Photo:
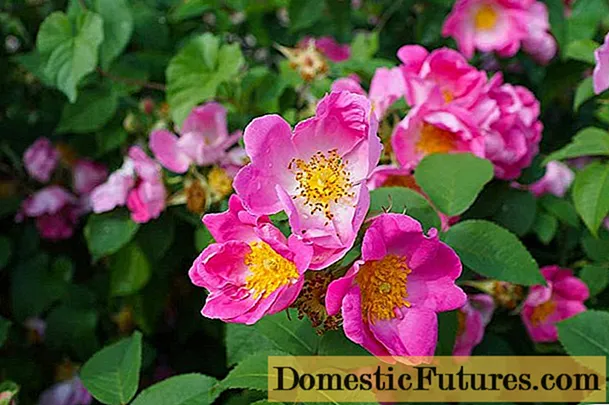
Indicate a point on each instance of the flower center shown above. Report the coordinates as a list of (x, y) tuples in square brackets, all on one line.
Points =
[(383, 287), (460, 323), (541, 312), (322, 180), (435, 140), (268, 270), (448, 96), (486, 18)]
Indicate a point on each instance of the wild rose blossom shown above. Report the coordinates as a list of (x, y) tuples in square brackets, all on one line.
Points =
[(473, 318), (328, 46), (556, 180), (562, 298), (390, 298), (600, 76), (316, 173), (501, 26), (137, 184), (429, 128), (56, 211), (70, 392), (204, 139), (86, 175), (512, 141), (252, 270), (40, 160)]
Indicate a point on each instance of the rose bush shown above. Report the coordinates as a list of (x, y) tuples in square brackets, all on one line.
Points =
[(187, 187)]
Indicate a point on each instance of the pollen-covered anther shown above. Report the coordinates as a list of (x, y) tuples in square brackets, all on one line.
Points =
[(383, 287), (435, 140), (541, 312), (322, 181), (268, 270)]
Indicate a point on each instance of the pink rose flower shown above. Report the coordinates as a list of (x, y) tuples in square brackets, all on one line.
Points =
[(234, 160), (556, 180), (562, 298), (390, 298), (473, 318), (601, 70), (512, 141), (331, 49), (444, 75), (316, 173), (40, 160), (429, 128), (56, 211), (203, 141), (137, 184), (252, 270), (86, 175), (70, 392), (540, 44)]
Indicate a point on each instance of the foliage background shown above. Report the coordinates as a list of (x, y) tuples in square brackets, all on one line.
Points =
[(114, 276)]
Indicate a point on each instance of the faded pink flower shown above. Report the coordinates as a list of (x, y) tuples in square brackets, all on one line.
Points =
[(512, 141), (316, 173), (203, 141), (70, 392), (40, 159), (252, 270), (556, 180), (428, 129), (562, 298), (390, 298), (329, 47), (56, 211), (86, 175), (540, 44), (473, 318), (137, 184), (601, 70), (234, 160)]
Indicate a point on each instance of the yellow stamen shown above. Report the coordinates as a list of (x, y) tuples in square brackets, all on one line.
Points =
[(220, 183), (383, 287), (322, 180), (448, 96), (435, 140), (268, 270), (541, 312), (486, 18)]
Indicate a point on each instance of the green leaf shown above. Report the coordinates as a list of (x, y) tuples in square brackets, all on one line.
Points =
[(72, 328), (118, 27), (251, 373), (113, 373), (9, 391), (596, 249), (585, 18), (364, 46), (561, 209), (203, 238), (584, 92), (107, 233), (5, 251), (190, 9), (556, 9), (596, 277), (335, 343), (194, 74), (5, 326), (582, 50), (494, 252), (305, 13), (185, 389), (155, 237), (453, 181), (585, 334), (517, 212), (70, 48), (243, 341), (545, 227), (404, 201), (587, 142), (294, 336), (91, 111), (448, 324), (130, 271), (591, 195)]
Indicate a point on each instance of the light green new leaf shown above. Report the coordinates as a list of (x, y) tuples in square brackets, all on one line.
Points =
[(91, 111), (69, 48), (107, 233), (402, 200), (494, 252), (596, 277), (587, 142), (591, 195), (584, 92), (112, 374), (545, 227), (364, 46), (118, 27), (130, 271), (194, 74), (453, 181), (185, 389), (582, 50)]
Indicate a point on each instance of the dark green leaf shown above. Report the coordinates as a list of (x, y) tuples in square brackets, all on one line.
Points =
[(91, 111), (107, 233), (242, 341), (118, 26), (587, 142), (294, 336), (185, 389), (130, 271), (517, 212), (591, 195), (545, 227), (305, 13), (596, 277)]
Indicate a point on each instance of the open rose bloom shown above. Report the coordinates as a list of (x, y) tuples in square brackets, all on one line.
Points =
[(252, 270), (473, 318), (316, 173), (562, 298), (389, 299), (601, 69)]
